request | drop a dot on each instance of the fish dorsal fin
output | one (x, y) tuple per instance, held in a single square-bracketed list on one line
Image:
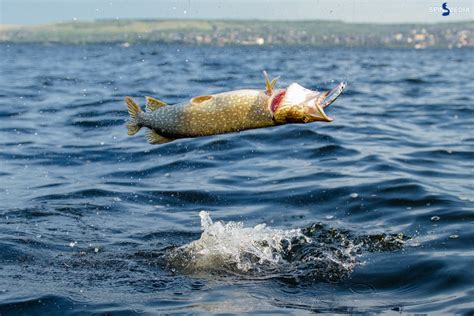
[(200, 99), (153, 104), (155, 138)]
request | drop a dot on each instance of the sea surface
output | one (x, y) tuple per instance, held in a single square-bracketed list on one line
[(372, 213)]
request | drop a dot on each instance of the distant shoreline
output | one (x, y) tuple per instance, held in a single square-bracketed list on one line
[(246, 32)]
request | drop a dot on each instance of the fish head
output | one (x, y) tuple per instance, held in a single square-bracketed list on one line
[(296, 104)]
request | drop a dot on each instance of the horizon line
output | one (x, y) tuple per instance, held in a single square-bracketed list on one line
[(235, 19)]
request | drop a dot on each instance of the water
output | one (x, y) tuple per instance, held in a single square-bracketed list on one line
[(370, 213)]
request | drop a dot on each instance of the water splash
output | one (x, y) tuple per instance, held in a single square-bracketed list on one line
[(231, 245), (312, 253)]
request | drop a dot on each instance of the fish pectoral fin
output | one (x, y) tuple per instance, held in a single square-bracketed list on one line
[(153, 104), (155, 138), (269, 85), (200, 99), (274, 82)]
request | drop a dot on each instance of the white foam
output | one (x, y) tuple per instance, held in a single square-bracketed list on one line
[(243, 247), (314, 253)]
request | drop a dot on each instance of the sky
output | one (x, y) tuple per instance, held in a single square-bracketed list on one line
[(31, 12)]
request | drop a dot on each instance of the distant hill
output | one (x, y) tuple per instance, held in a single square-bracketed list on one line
[(249, 32)]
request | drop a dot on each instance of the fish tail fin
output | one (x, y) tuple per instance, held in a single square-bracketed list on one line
[(134, 110)]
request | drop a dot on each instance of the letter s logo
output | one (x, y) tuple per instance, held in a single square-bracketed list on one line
[(446, 9)]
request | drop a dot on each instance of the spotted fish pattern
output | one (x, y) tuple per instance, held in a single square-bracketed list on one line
[(228, 112), (217, 114)]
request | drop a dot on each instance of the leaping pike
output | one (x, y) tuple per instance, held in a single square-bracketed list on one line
[(231, 111)]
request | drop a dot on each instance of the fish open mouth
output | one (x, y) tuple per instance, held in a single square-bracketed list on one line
[(314, 101)]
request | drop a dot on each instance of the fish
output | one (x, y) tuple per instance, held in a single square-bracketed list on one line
[(231, 111)]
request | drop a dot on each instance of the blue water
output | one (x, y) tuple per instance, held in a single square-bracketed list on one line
[(94, 221)]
